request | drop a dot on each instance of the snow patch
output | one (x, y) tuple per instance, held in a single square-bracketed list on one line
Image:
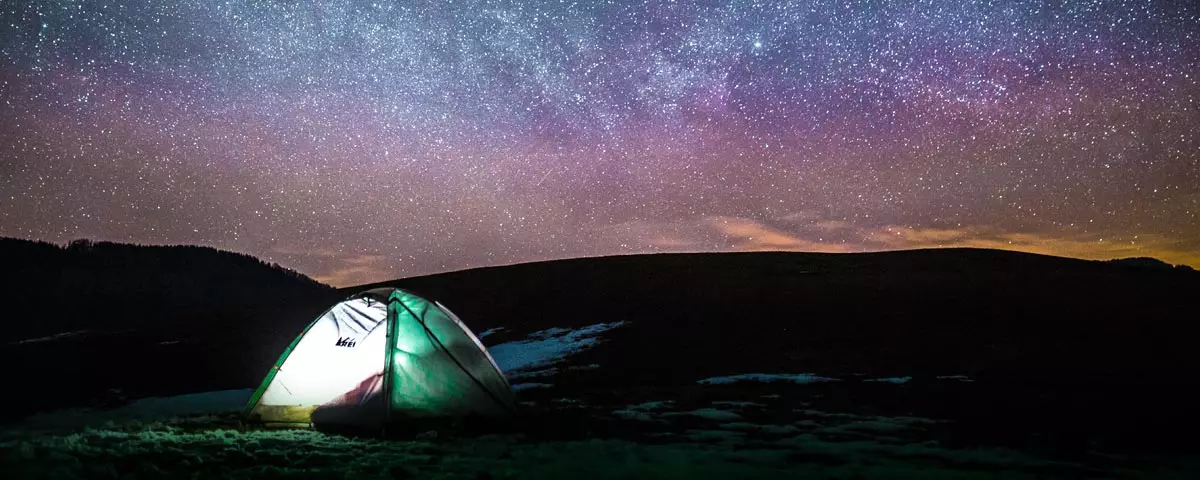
[(221, 401), (526, 386), (652, 405), (821, 414), (867, 428), (51, 338), (641, 410), (545, 372), (709, 413), (852, 419), (153, 408), (738, 404), (961, 378), (547, 347), (895, 380), (490, 331), (552, 332), (784, 429), (633, 415), (797, 378)]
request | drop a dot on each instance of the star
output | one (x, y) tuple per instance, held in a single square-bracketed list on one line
[(363, 142)]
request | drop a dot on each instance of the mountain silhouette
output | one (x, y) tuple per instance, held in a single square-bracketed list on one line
[(101, 322), (95, 319), (887, 313)]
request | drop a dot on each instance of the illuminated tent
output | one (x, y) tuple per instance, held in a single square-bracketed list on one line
[(380, 357)]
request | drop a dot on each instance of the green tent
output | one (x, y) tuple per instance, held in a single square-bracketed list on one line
[(379, 357)]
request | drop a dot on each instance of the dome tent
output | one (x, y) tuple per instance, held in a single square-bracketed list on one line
[(376, 358)]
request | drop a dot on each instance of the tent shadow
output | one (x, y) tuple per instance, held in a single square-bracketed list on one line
[(363, 422)]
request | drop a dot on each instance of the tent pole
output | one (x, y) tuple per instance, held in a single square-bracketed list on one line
[(436, 341), (262, 387), (388, 367)]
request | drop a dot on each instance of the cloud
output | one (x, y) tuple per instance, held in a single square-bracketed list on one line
[(806, 232), (831, 225), (654, 236), (899, 237), (337, 268), (801, 216), (747, 234), (356, 270), (1067, 244)]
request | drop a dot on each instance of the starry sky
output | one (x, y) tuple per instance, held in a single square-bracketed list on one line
[(361, 141)]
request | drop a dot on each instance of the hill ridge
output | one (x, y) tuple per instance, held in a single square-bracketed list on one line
[(1137, 262)]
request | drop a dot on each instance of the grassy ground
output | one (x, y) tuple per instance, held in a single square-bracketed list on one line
[(751, 425), (191, 450), (769, 437)]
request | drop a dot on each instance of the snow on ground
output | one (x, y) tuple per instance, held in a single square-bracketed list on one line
[(146, 409), (222, 401), (896, 380), (633, 415), (656, 405), (731, 403), (546, 347), (547, 372), (490, 331), (541, 372), (709, 413), (642, 411), (51, 338), (526, 386), (798, 378)]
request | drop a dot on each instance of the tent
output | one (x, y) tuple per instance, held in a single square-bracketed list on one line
[(376, 358)]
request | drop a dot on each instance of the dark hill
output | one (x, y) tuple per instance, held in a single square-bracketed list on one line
[(891, 313), (1064, 353), (93, 316), (138, 286)]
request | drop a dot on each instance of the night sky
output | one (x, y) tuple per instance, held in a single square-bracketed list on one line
[(364, 141)]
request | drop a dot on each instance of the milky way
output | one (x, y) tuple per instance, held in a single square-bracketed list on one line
[(359, 141)]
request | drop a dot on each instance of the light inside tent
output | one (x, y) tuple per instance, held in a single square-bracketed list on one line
[(341, 350)]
